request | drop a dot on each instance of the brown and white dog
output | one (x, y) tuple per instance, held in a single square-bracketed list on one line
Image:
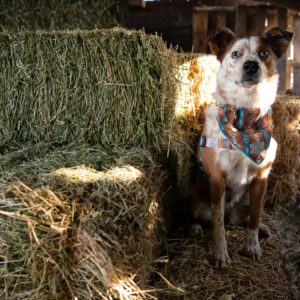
[(247, 81)]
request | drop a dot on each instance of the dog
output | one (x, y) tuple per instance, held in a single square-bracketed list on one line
[(236, 148)]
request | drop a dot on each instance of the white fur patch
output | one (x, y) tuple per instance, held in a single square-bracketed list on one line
[(251, 246), (221, 253), (230, 88)]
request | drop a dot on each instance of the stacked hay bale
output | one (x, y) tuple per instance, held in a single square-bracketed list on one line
[(110, 87), (60, 14), (82, 221), (196, 76), (284, 178)]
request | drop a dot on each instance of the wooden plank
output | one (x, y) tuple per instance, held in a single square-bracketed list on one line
[(171, 20), (210, 9), (251, 21), (289, 65), (282, 22), (296, 69), (261, 14), (292, 4), (200, 26), (221, 19), (241, 21), (139, 3), (272, 16)]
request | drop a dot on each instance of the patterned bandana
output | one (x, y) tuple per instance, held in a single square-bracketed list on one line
[(246, 130)]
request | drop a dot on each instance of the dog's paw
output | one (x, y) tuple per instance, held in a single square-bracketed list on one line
[(253, 252), (251, 247), (222, 259)]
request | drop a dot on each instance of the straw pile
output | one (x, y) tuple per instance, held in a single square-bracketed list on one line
[(60, 14), (111, 87), (191, 273), (196, 76), (284, 178), (79, 223)]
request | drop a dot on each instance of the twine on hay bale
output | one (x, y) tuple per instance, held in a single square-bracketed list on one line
[(111, 87), (60, 14), (284, 177), (81, 223)]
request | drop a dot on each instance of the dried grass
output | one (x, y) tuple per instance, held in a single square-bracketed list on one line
[(88, 226), (110, 87), (196, 76), (60, 14), (191, 270), (284, 178)]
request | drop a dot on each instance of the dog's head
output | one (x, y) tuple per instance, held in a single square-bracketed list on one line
[(249, 61)]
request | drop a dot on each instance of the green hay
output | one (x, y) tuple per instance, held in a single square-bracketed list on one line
[(108, 87), (79, 222), (60, 14)]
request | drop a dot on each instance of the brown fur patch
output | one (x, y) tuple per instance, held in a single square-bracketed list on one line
[(221, 41), (278, 40)]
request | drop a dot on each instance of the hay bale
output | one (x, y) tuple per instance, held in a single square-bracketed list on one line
[(110, 87), (196, 75), (81, 223), (60, 14), (284, 178)]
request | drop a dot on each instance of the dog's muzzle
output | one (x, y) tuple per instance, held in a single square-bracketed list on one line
[(251, 72)]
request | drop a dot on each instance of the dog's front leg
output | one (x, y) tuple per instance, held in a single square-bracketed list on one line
[(257, 192), (217, 193)]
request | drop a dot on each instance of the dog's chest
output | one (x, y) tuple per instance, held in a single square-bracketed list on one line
[(238, 169)]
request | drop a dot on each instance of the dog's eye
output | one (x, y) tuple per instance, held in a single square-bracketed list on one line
[(263, 53), (235, 54)]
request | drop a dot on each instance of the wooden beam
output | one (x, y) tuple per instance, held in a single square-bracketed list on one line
[(210, 9), (221, 19), (282, 22), (241, 21), (296, 67), (138, 3), (272, 16), (261, 15), (200, 26)]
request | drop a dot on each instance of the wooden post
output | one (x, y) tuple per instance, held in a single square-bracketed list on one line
[(296, 66), (251, 21), (272, 18), (221, 19), (241, 20), (282, 23), (289, 63), (260, 18), (200, 25)]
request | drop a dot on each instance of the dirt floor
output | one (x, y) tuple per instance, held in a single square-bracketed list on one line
[(187, 271)]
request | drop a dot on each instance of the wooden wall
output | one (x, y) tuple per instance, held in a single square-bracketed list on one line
[(186, 24), (171, 20)]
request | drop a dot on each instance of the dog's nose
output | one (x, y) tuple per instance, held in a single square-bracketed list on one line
[(251, 67)]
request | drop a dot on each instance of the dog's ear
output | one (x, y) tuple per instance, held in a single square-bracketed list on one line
[(278, 39), (219, 41)]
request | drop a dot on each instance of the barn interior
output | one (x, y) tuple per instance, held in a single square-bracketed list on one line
[(102, 105)]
